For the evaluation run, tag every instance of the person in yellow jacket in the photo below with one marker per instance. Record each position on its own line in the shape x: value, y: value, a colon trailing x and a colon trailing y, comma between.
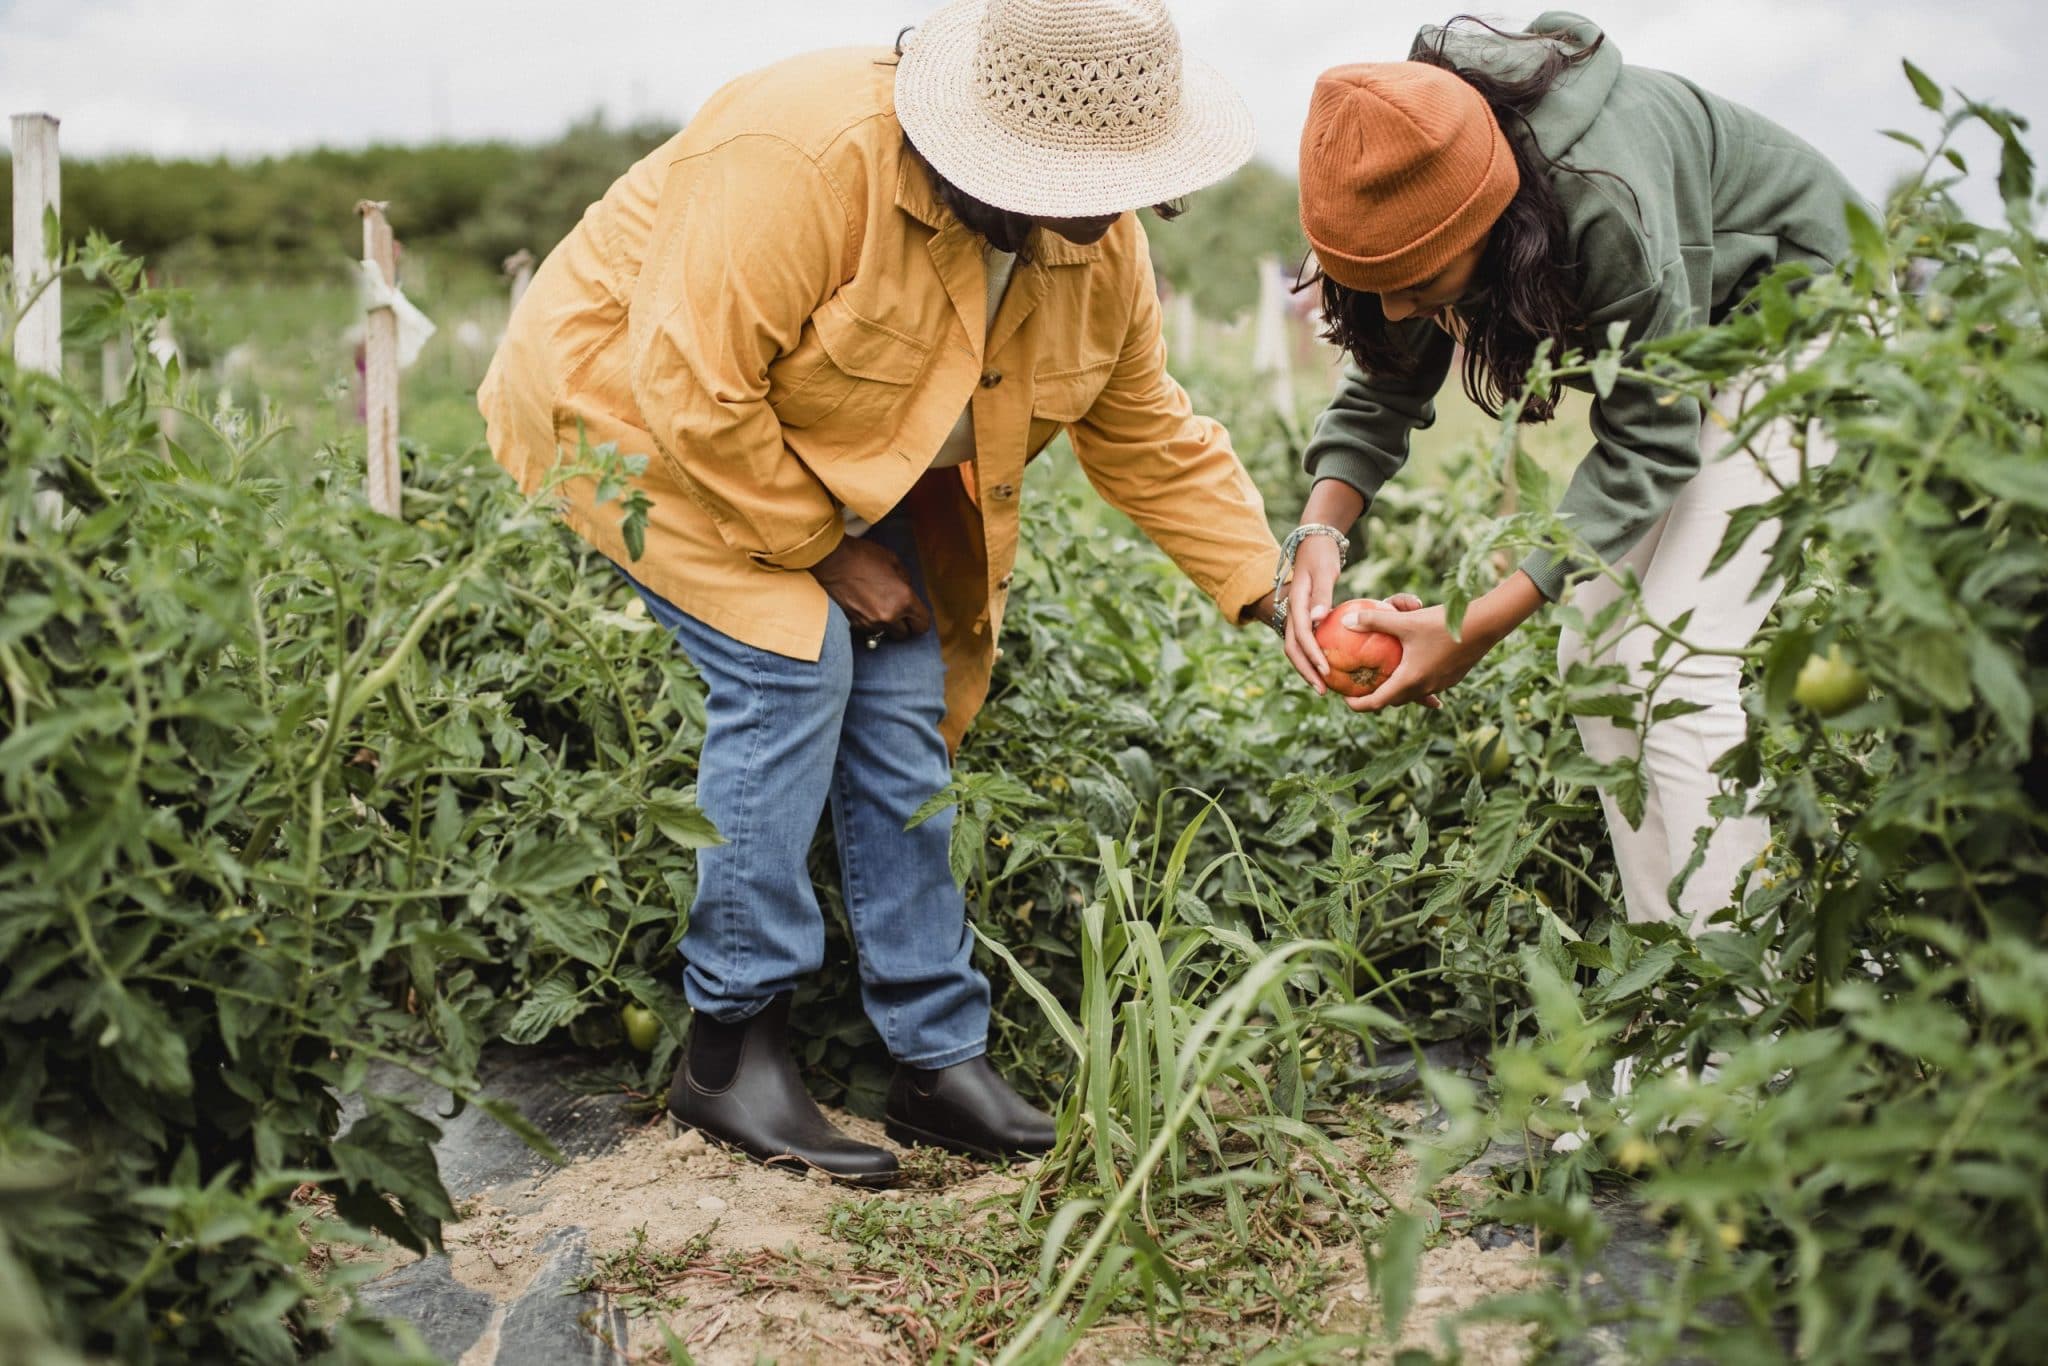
x: 839, y: 312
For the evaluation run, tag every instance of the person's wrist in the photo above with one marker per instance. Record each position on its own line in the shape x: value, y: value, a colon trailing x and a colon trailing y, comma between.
x: 1494, y: 615
x: 1270, y: 610
x: 1321, y: 549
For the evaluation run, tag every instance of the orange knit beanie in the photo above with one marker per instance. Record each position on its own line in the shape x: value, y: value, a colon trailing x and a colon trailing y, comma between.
x: 1402, y: 168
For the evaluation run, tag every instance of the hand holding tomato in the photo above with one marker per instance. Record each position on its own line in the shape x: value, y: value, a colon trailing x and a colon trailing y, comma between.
x: 1356, y: 661
x: 1432, y: 659
x: 1336, y: 658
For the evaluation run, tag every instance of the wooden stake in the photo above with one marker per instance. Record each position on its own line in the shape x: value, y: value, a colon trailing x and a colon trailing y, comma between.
x: 113, y: 370
x: 519, y: 265
x: 38, y: 337
x: 1180, y: 318
x: 380, y: 368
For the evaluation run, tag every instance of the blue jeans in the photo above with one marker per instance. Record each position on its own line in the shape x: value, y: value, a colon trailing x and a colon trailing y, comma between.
x: 859, y: 728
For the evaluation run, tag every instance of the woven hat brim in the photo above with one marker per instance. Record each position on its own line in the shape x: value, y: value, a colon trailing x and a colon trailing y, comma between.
x: 940, y: 104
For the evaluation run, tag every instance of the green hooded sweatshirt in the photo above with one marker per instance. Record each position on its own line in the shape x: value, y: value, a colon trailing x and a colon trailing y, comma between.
x: 1699, y: 199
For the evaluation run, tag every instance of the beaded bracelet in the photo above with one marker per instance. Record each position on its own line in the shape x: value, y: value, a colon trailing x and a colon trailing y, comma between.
x: 1287, y: 553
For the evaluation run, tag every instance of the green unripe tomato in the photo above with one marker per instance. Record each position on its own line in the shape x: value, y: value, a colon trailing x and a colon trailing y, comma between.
x: 1830, y: 684
x: 642, y: 1026
x: 1486, y: 751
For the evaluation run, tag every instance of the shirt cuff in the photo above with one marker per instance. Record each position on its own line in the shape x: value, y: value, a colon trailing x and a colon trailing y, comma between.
x: 1348, y: 467
x: 1250, y: 583
x: 806, y: 552
x: 1548, y: 570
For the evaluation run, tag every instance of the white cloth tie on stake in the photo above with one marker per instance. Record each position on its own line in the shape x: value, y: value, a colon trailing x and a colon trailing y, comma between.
x: 414, y: 327
x: 163, y: 346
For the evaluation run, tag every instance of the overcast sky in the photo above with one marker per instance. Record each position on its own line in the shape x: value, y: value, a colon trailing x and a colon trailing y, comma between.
x: 251, y: 76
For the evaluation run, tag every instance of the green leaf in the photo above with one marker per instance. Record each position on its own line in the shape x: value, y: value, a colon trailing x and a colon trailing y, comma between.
x: 1652, y: 967
x: 2015, y: 175
x: 1494, y: 834
x: 633, y: 525
x: 581, y: 931
x: 1926, y: 89
x: 1054, y: 1013
x: 552, y: 1004
x: 678, y: 1354
x: 2019, y: 478
x: 680, y: 820
x: 2003, y: 688
x: 1606, y: 368
x: 448, y: 822
x: 1394, y: 1267
x: 1533, y: 487
x: 1356, y: 1017
x: 1940, y: 668
x: 33, y: 743
x: 528, y: 1133
x: 1866, y: 235
x: 548, y: 867
x: 1590, y: 955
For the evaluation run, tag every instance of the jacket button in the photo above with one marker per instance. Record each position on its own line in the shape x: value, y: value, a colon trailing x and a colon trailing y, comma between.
x: 1004, y: 491
x: 991, y: 378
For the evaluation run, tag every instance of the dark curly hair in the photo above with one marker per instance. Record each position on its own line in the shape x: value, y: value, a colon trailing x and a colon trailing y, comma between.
x: 1525, y: 291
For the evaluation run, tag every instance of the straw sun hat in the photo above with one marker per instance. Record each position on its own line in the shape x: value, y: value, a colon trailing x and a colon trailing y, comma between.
x: 1067, y: 108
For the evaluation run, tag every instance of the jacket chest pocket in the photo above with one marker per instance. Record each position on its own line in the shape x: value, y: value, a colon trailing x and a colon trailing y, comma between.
x: 847, y: 369
x: 1062, y: 397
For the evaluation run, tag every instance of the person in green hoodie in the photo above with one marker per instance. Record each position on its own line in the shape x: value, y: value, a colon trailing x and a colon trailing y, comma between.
x: 1498, y: 191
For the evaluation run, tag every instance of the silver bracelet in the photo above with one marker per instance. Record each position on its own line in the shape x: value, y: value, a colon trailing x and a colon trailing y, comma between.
x: 1308, y: 529
x: 1288, y: 549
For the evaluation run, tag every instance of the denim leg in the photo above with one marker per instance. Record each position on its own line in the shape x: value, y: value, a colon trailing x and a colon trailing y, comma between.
x: 771, y: 735
x: 918, y: 981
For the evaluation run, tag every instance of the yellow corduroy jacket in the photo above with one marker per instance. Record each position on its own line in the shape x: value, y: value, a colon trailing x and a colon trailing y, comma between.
x: 776, y: 308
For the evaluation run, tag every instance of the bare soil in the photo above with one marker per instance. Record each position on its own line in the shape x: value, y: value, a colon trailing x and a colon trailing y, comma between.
x: 740, y: 1302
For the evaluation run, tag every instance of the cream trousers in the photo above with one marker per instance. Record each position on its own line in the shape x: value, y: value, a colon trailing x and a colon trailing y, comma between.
x: 1677, y: 754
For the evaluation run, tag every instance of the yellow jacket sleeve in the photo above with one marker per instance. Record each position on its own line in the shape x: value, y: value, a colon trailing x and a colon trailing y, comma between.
x: 749, y: 240
x: 1173, y: 472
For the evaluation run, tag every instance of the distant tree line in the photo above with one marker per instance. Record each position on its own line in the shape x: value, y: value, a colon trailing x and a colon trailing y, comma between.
x: 293, y: 215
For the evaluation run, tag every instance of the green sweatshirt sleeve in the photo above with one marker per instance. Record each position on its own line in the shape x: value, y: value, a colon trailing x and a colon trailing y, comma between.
x: 1362, y: 437
x: 1646, y: 442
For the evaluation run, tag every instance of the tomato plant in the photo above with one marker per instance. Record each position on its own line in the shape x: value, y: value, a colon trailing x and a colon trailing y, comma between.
x: 290, y: 788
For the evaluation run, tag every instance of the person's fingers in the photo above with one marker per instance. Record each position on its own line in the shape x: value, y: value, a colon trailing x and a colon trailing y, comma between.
x: 1304, y: 597
x: 1382, y: 620
x: 1433, y: 702
x: 1299, y: 660
x: 1398, y: 687
x: 1308, y: 657
x: 1405, y: 602
x: 920, y: 616
x: 1291, y: 645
